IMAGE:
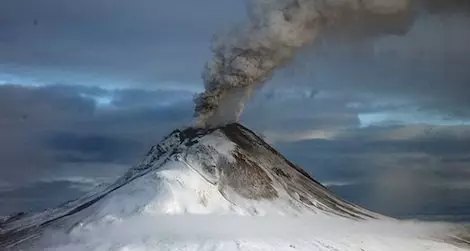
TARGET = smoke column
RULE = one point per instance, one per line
(276, 30)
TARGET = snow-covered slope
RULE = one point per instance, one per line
(217, 189)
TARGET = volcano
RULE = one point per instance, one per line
(218, 189)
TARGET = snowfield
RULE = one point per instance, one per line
(189, 232)
(219, 189)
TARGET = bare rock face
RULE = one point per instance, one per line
(259, 169)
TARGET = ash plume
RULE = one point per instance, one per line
(248, 56)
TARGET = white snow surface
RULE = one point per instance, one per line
(171, 202)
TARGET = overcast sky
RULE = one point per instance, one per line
(374, 110)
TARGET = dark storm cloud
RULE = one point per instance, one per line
(291, 110)
(31, 198)
(439, 6)
(436, 147)
(140, 41)
(70, 147)
(423, 61)
(40, 104)
(425, 176)
(145, 98)
(43, 128)
(427, 67)
(25, 113)
(409, 201)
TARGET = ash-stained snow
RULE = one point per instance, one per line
(218, 189)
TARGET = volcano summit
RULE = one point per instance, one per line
(218, 189)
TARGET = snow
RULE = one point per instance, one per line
(190, 232)
(177, 200)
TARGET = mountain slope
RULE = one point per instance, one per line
(211, 177)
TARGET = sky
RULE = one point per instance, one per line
(379, 111)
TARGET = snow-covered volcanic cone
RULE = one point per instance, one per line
(218, 189)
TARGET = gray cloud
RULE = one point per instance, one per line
(144, 98)
(426, 68)
(32, 197)
(287, 111)
(437, 6)
(423, 62)
(143, 42)
(424, 175)
(44, 128)
(70, 147)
